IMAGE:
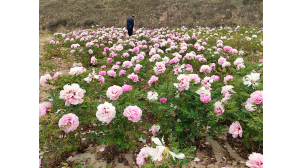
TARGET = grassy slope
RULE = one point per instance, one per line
(149, 13)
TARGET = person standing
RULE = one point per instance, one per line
(130, 24)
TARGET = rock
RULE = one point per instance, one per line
(216, 149)
(233, 153)
(129, 158)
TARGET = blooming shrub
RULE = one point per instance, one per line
(184, 82)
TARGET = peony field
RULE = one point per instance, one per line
(161, 98)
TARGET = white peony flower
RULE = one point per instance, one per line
(152, 95)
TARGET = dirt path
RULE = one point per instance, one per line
(223, 157)
(62, 65)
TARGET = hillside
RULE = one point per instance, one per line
(149, 13)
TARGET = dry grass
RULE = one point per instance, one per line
(149, 13)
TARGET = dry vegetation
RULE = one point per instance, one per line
(150, 13)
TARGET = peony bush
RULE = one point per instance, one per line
(192, 81)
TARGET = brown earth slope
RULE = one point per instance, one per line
(150, 13)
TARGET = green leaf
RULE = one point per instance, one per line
(244, 94)
(175, 144)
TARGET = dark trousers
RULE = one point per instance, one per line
(130, 31)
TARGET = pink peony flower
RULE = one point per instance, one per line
(114, 92)
(137, 67)
(238, 61)
(102, 79)
(195, 77)
(163, 100)
(72, 51)
(174, 60)
(260, 60)
(257, 97)
(235, 129)
(109, 60)
(90, 51)
(133, 77)
(152, 80)
(39, 162)
(133, 113)
(214, 77)
(141, 157)
(127, 64)
(125, 55)
(212, 66)
(204, 98)
(221, 60)
(126, 88)
(103, 66)
(106, 112)
(111, 73)
(43, 107)
(140, 57)
(184, 82)
(77, 70)
(219, 45)
(121, 72)
(227, 48)
(205, 69)
(189, 67)
(154, 57)
(102, 73)
(241, 66)
(227, 78)
(226, 89)
(73, 94)
(159, 68)
(70, 122)
(93, 60)
(136, 49)
(234, 51)
(115, 67)
(44, 79)
(56, 75)
(255, 160)
(226, 97)
(80, 50)
(154, 129)
(218, 109)
(226, 64)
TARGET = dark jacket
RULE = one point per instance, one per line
(130, 23)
